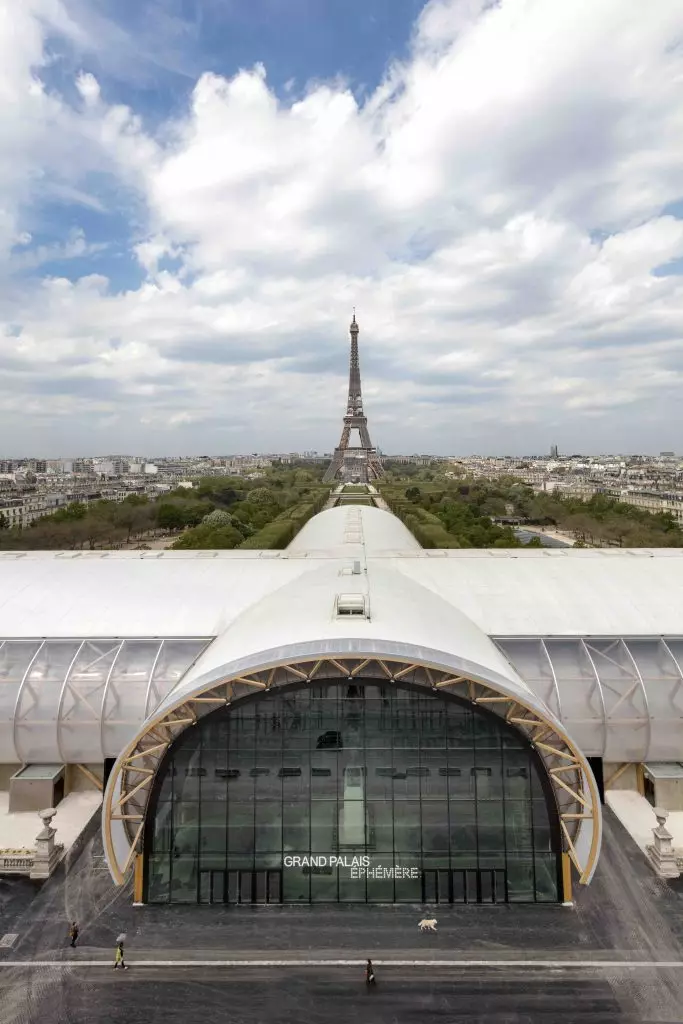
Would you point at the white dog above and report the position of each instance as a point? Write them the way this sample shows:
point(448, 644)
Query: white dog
point(427, 924)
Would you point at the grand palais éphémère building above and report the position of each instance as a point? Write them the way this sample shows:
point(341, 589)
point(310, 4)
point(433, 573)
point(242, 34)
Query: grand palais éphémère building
point(352, 719)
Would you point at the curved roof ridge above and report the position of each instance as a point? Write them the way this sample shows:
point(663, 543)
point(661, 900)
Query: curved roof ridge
point(354, 528)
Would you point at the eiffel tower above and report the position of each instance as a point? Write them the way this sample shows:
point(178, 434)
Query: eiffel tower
point(354, 464)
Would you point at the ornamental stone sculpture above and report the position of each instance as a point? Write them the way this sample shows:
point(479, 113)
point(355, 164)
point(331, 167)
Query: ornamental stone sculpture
point(661, 852)
point(48, 853)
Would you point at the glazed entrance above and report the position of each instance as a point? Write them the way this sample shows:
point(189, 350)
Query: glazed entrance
point(366, 792)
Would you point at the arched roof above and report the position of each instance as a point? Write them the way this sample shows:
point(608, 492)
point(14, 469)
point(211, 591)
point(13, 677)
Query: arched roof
point(299, 627)
point(399, 609)
point(339, 530)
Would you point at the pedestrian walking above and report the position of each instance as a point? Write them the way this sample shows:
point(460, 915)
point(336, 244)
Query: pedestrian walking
point(73, 934)
point(118, 959)
point(369, 973)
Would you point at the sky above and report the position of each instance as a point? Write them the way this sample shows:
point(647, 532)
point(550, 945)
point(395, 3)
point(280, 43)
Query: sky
point(195, 194)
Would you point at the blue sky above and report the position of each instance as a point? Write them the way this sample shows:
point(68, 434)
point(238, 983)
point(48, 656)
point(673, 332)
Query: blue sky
point(159, 49)
point(200, 190)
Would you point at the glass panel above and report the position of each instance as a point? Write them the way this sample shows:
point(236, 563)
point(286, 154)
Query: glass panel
point(15, 658)
point(218, 886)
point(233, 895)
point(458, 884)
point(429, 886)
point(486, 886)
point(664, 690)
point(274, 886)
point(184, 879)
point(472, 886)
point(530, 660)
point(324, 882)
point(546, 878)
point(354, 793)
point(520, 877)
point(268, 827)
point(582, 710)
point(37, 714)
point(81, 713)
point(260, 887)
point(296, 879)
point(246, 886)
point(624, 699)
point(125, 699)
point(175, 658)
point(162, 832)
point(158, 878)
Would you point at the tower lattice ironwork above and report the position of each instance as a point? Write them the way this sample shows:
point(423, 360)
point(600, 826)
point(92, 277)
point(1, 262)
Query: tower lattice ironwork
point(361, 462)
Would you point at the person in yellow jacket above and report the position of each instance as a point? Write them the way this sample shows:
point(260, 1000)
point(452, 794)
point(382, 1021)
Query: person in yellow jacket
point(118, 959)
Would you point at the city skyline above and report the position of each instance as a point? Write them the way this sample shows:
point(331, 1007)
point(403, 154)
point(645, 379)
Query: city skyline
point(194, 206)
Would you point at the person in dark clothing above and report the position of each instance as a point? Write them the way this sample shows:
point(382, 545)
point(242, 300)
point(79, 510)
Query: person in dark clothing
point(369, 973)
point(73, 934)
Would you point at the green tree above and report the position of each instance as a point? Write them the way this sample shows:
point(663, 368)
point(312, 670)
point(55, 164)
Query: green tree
point(208, 537)
point(261, 496)
point(170, 516)
point(219, 517)
point(97, 530)
point(125, 517)
point(74, 510)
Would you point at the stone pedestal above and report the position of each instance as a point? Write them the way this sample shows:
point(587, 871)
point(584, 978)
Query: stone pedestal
point(661, 852)
point(48, 853)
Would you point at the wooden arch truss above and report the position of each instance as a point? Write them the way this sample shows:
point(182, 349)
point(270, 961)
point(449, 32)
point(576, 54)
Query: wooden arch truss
point(575, 793)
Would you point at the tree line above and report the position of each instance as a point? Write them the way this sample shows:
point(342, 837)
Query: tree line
point(218, 512)
point(605, 521)
point(441, 518)
point(460, 510)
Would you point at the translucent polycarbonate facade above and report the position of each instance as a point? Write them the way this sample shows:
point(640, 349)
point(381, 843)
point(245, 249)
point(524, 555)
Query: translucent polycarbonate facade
point(82, 700)
point(619, 698)
point(362, 792)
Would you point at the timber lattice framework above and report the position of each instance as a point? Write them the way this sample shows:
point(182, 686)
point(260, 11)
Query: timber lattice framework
point(574, 789)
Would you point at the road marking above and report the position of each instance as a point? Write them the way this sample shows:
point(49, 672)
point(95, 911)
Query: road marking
point(561, 964)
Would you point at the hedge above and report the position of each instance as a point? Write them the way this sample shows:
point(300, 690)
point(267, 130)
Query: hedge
point(426, 528)
point(281, 531)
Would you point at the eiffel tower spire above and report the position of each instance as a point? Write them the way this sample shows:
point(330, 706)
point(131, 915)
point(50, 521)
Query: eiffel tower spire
point(354, 462)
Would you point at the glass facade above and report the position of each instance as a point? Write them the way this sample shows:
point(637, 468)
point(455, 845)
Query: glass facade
point(81, 701)
point(352, 792)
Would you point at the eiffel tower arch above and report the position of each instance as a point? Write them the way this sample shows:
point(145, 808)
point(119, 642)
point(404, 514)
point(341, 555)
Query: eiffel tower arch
point(354, 462)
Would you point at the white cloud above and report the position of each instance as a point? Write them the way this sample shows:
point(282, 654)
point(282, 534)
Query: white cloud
point(89, 88)
point(495, 211)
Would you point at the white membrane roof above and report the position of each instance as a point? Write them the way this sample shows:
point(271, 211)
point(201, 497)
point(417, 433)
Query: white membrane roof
point(94, 641)
point(515, 592)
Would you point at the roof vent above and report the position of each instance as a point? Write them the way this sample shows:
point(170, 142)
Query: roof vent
point(352, 604)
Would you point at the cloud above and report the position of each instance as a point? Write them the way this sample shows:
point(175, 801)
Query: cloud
point(497, 210)
point(75, 246)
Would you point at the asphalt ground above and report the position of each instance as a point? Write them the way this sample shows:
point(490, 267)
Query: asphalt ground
point(599, 961)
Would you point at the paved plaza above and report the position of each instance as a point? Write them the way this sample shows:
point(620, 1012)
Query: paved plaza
point(595, 962)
